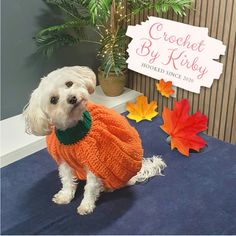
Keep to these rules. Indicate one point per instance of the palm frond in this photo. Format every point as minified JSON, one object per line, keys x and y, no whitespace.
{"x":178,"y":6}
{"x":74,"y":9}
{"x":98,"y":9}
{"x":69,"y":25}
{"x":67,"y":34}
{"x":47,"y":44}
{"x":113,"y":52}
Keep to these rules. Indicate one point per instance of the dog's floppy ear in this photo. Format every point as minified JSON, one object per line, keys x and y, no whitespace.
{"x":88,"y":76}
{"x":35,"y":119}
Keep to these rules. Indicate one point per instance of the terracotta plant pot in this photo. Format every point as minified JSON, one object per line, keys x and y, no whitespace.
{"x":112,"y":85}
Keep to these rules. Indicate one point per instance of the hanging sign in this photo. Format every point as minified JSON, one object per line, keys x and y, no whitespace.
{"x":177,"y":52}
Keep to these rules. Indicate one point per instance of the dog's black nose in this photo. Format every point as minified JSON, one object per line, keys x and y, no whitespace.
{"x":72,"y":100}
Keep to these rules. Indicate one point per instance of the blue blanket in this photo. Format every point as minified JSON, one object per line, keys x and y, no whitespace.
{"x":197,"y":195}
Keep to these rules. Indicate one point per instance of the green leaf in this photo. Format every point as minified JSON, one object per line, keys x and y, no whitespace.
{"x":113,"y":52}
{"x":98,"y":9}
{"x":178,"y":6}
{"x":67,"y":34}
{"x":48,"y":43}
{"x":72,"y":8}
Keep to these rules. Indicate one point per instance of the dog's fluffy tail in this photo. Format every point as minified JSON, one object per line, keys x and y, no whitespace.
{"x":150,"y":167}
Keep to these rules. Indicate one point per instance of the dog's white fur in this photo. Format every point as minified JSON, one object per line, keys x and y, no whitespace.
{"x":40,"y":114}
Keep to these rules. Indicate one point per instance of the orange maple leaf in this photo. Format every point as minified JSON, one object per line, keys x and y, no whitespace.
{"x":141,"y":110}
{"x":165,"y":88}
{"x":183,"y":128}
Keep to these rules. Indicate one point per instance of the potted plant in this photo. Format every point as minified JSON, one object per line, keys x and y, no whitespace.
{"x":109,"y":20}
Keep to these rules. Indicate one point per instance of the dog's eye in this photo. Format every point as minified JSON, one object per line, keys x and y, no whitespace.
{"x":54,"y":100}
{"x":69,"y":84}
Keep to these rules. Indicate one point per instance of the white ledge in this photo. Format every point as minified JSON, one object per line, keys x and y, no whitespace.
{"x":16,"y":144}
{"x":116,"y":103}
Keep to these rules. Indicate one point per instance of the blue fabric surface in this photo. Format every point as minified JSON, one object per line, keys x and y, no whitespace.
{"x":197,"y":195}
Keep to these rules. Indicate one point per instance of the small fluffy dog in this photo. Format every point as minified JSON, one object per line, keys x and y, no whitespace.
{"x":87,"y":141}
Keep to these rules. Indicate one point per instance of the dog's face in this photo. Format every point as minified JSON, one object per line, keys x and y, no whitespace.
{"x":60,"y":99}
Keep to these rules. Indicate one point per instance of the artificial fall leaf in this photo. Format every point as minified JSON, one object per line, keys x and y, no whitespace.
{"x":165,"y":88}
{"x":183,"y":128}
{"x":141,"y":110}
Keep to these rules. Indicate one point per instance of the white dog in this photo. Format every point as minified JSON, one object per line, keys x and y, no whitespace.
{"x":60,"y":102}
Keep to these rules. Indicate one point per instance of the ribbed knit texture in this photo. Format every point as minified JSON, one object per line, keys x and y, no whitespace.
{"x":112,"y":149}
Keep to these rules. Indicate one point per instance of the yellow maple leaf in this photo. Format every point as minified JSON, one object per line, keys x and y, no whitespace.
{"x":165,"y":88}
{"x":141,"y":110}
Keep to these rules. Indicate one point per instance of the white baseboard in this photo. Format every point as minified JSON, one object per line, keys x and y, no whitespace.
{"x":16,"y":144}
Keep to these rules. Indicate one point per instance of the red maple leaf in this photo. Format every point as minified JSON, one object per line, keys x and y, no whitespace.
{"x":183,"y":128}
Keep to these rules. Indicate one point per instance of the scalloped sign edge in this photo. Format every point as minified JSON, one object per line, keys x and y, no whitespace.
{"x":174,"y":51}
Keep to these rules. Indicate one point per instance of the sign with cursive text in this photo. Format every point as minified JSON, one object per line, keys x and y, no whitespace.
{"x":177,"y":52}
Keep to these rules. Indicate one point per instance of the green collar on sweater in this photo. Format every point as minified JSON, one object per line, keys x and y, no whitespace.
{"x":76,"y":133}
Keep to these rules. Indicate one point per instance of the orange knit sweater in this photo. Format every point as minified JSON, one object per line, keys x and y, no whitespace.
{"x":111,"y":149}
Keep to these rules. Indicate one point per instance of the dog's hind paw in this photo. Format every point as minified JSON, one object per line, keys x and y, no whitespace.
{"x":63,"y":197}
{"x":85,"y":208}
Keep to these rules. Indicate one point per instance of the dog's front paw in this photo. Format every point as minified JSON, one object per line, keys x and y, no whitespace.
{"x":63,"y":197}
{"x":85,"y":208}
